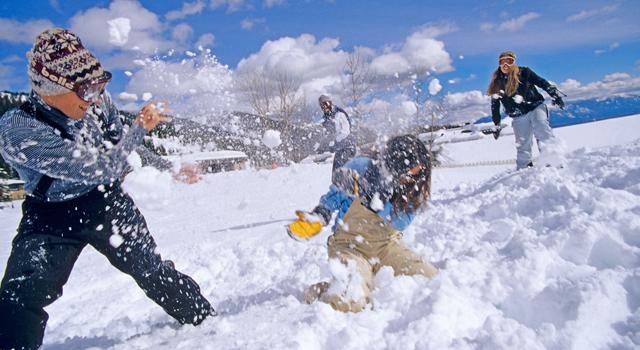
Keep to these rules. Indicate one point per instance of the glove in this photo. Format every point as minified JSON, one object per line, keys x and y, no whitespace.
{"x":306,"y":226}
{"x":496,"y":133}
{"x":555,"y":97}
{"x":557,"y":100}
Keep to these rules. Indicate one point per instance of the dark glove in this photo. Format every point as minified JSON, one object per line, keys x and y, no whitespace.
{"x":496,"y":134}
{"x":557,"y":100}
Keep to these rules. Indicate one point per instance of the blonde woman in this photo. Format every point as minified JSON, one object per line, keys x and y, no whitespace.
{"x":515,"y":88}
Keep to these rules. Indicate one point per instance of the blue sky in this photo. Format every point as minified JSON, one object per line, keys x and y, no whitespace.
{"x":589,"y":42}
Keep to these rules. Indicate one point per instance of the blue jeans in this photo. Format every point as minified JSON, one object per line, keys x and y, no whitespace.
{"x":534,"y":123}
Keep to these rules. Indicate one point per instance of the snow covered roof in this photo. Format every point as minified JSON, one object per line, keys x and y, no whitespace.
{"x":211,"y":155}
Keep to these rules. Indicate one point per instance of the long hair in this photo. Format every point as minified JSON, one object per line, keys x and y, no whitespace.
{"x":498,"y":86}
{"x":401,"y":155}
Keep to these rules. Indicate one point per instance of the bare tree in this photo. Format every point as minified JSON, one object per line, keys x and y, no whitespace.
{"x":359,"y":80}
{"x":287,"y":96}
{"x":272,"y":93}
{"x":257,"y":89}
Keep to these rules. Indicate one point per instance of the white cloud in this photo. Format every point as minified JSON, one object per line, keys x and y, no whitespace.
{"x":619,"y":83}
{"x":232,"y":5}
{"x":420,"y":51}
{"x":300,"y":57}
{"x":22,"y":32}
{"x":487,"y":27}
{"x":518,"y":23}
{"x":249,"y":23}
{"x":182,"y":32}
{"x":465,"y":106}
{"x":145,"y":34}
{"x":207,"y":39}
{"x":585,"y":14}
{"x":188,"y":8}
{"x":272,"y":3}
{"x":318,"y":64}
{"x":55,"y":4}
{"x":611,"y":47}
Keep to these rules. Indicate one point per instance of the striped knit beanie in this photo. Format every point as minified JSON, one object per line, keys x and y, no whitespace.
{"x":58,"y":60}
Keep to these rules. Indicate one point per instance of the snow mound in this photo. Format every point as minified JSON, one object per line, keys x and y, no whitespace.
{"x":543,"y":258}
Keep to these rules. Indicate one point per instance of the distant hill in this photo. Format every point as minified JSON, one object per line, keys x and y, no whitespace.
{"x":584,"y":111}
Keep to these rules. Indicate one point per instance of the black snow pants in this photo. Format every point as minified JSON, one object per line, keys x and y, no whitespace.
{"x":49,"y":240}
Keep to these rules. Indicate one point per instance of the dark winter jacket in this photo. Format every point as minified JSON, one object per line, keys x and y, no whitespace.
{"x":526,"y":98}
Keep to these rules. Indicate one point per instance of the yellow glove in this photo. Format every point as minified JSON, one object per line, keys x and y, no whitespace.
{"x":304,"y":228}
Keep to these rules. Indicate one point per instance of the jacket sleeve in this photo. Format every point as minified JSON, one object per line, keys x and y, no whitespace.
{"x":37,"y":147}
{"x":495,"y":110}
{"x":332,"y":201}
{"x":343,"y":129}
{"x":541,"y":82}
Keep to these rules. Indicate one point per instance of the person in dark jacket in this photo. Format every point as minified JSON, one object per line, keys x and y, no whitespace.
{"x":375,"y":199}
{"x":515,"y":88}
{"x":339,"y":139}
{"x":71,"y":151}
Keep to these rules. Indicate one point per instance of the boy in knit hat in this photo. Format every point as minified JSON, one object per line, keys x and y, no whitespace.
{"x":68,"y":145}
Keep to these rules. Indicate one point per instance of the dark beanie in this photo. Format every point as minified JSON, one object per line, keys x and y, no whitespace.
{"x":58,"y":60}
{"x":404,"y":153}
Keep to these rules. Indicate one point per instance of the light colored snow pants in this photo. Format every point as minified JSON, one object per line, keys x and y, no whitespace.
{"x":365,"y":243}
{"x":534,"y":123}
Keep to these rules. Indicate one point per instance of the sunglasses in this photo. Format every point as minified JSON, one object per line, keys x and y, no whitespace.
{"x":88,"y":90}
{"x":508,"y":60}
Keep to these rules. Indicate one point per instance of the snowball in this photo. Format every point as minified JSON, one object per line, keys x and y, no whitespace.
{"x":518,"y":99}
{"x":376,"y":204}
{"x":434,"y":86}
{"x":116,"y":240}
{"x":271,"y":138}
{"x":147,"y":96}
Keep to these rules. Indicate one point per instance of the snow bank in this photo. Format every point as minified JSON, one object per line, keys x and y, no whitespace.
{"x":536,"y":259}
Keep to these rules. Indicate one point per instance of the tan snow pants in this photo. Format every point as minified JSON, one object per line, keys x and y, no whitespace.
{"x":366,"y":240}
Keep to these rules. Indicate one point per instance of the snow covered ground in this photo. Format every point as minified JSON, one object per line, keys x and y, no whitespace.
{"x":545,"y":258}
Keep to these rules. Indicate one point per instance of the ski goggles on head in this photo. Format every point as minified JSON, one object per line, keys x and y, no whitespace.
{"x":90,"y":90}
{"x":506,"y":60}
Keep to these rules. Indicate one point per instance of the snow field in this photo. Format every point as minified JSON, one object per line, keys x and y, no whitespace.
{"x":544,"y":258}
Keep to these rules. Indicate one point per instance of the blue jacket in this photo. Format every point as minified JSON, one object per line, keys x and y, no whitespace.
{"x":373,"y":189}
